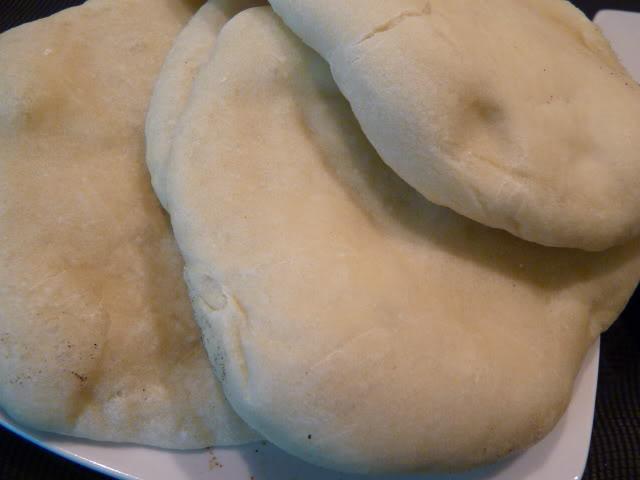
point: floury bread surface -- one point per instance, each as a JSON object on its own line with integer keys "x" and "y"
{"x": 97, "y": 338}
{"x": 171, "y": 93}
{"x": 352, "y": 322}
{"x": 514, "y": 113}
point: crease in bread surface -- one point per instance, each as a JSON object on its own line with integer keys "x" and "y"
{"x": 389, "y": 24}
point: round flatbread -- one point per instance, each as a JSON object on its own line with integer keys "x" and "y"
{"x": 514, "y": 113}
{"x": 97, "y": 338}
{"x": 190, "y": 50}
{"x": 352, "y": 322}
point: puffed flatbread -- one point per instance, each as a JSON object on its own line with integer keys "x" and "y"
{"x": 352, "y": 322}
{"x": 514, "y": 113}
{"x": 97, "y": 338}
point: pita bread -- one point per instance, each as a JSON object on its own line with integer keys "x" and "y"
{"x": 352, "y": 322}
{"x": 190, "y": 50}
{"x": 514, "y": 113}
{"x": 97, "y": 338}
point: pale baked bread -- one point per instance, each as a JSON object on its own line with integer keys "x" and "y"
{"x": 515, "y": 113}
{"x": 190, "y": 50}
{"x": 352, "y": 322}
{"x": 97, "y": 338}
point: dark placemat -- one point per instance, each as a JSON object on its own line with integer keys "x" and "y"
{"x": 615, "y": 445}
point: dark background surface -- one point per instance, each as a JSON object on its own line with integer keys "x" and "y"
{"x": 615, "y": 445}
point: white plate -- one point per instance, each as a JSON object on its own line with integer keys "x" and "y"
{"x": 561, "y": 455}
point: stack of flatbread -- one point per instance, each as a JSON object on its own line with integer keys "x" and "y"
{"x": 394, "y": 226}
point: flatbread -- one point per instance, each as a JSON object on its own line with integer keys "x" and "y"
{"x": 97, "y": 338}
{"x": 352, "y": 322}
{"x": 514, "y": 113}
{"x": 190, "y": 50}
